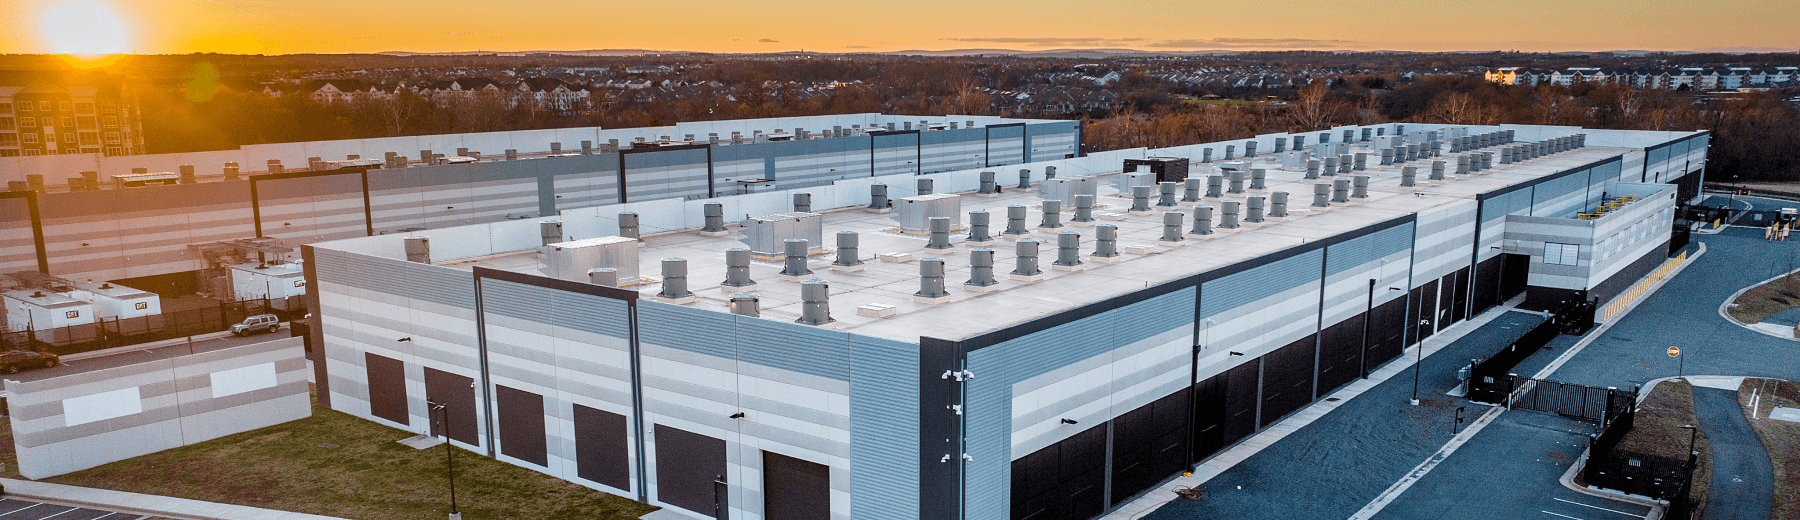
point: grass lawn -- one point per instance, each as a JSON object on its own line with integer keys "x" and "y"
{"x": 1657, "y": 430}
{"x": 338, "y": 465}
{"x": 1781, "y": 438}
{"x": 1763, "y": 300}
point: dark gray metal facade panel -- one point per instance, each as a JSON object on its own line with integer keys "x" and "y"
{"x": 686, "y": 465}
{"x": 884, "y": 427}
{"x": 439, "y": 285}
{"x": 387, "y": 387}
{"x": 1351, "y": 253}
{"x": 689, "y": 329}
{"x": 602, "y": 447}
{"x": 457, "y": 393}
{"x": 1260, "y": 282}
{"x": 521, "y": 423}
{"x": 795, "y": 489}
{"x": 1500, "y": 206}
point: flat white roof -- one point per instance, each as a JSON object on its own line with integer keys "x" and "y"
{"x": 969, "y": 313}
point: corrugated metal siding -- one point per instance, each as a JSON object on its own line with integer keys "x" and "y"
{"x": 884, "y": 429}
{"x": 1348, "y": 254}
{"x": 666, "y": 174}
{"x": 685, "y": 328}
{"x": 515, "y": 300}
{"x": 1608, "y": 171}
{"x": 790, "y": 346}
{"x": 988, "y": 478}
{"x": 1260, "y": 282}
{"x": 1499, "y": 207}
{"x": 590, "y": 313}
{"x": 408, "y": 279}
{"x": 1047, "y": 350}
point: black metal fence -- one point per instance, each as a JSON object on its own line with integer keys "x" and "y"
{"x": 119, "y": 332}
{"x": 1582, "y": 402}
{"x": 1657, "y": 477}
{"x": 1490, "y": 381}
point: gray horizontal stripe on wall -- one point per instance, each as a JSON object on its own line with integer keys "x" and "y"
{"x": 354, "y": 388}
{"x": 794, "y": 412}
{"x": 1076, "y": 367}
{"x": 1064, "y": 406}
{"x": 792, "y": 438}
{"x": 1236, "y": 290}
{"x": 154, "y": 415}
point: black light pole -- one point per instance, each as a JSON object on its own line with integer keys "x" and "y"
{"x": 449, "y": 453}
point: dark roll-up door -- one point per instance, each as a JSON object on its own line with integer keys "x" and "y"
{"x": 1149, "y": 444}
{"x": 457, "y": 394}
{"x": 1515, "y": 271}
{"x": 1240, "y": 400}
{"x": 1387, "y": 334}
{"x": 521, "y": 425}
{"x": 602, "y": 449}
{"x": 1287, "y": 379}
{"x": 687, "y": 463}
{"x": 1461, "y": 304}
{"x": 1209, "y": 417}
{"x": 1340, "y": 354}
{"x": 1487, "y": 285}
{"x": 795, "y": 489}
{"x": 1062, "y": 481}
{"x": 387, "y": 387}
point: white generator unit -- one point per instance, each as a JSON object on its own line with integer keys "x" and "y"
{"x": 118, "y": 301}
{"x": 572, "y": 260}
{"x": 914, "y": 213}
{"x": 1066, "y": 188}
{"x": 768, "y": 234}
{"x": 45, "y": 310}
{"x": 1125, "y": 183}
{"x": 272, "y": 281}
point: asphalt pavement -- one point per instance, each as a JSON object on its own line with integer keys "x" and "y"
{"x": 131, "y": 356}
{"x": 16, "y": 509}
{"x": 1742, "y": 477}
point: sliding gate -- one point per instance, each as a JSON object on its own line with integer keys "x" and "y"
{"x": 1582, "y": 402}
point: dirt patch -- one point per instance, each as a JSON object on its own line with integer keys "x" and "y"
{"x": 1780, "y": 438}
{"x": 1658, "y": 431}
{"x": 1762, "y": 301}
{"x": 1557, "y": 455}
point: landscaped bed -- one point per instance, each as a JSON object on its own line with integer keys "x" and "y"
{"x": 1762, "y": 301}
{"x": 338, "y": 465}
{"x": 1780, "y": 438}
{"x": 1657, "y": 431}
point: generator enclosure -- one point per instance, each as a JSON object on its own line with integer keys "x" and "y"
{"x": 572, "y": 260}
{"x": 914, "y": 213}
{"x": 1167, "y": 169}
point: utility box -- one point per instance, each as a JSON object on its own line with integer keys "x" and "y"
{"x": 1126, "y": 181}
{"x": 1167, "y": 169}
{"x": 914, "y": 213}
{"x": 1294, "y": 159}
{"x": 768, "y": 234}
{"x": 1383, "y": 142}
{"x": 1066, "y": 188}
{"x": 55, "y": 316}
{"x": 1323, "y": 150}
{"x": 572, "y": 260}
{"x": 282, "y": 284}
{"x": 121, "y": 309}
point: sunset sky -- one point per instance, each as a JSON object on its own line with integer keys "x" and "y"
{"x": 351, "y": 26}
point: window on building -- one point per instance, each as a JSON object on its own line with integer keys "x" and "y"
{"x": 28, "y": 122}
{"x": 62, "y": 105}
{"x": 90, "y": 150}
{"x": 109, "y": 121}
{"x": 25, "y": 106}
{"x": 44, "y": 106}
{"x": 9, "y": 153}
{"x": 84, "y": 108}
{"x": 68, "y": 122}
{"x": 90, "y": 139}
{"x": 108, "y": 106}
{"x": 1561, "y": 254}
{"x": 30, "y": 138}
{"x": 69, "y": 138}
{"x": 112, "y": 138}
{"x": 84, "y": 123}
{"x": 33, "y": 152}
{"x": 9, "y": 139}
{"x": 6, "y": 108}
{"x": 114, "y": 150}
{"x": 6, "y": 123}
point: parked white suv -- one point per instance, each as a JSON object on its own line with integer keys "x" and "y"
{"x": 257, "y": 323}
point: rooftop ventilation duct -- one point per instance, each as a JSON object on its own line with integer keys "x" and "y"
{"x": 1106, "y": 243}
{"x": 924, "y": 186}
{"x": 1237, "y": 182}
{"x": 1281, "y": 144}
{"x": 848, "y": 260}
{"x": 1171, "y": 229}
{"x": 714, "y": 214}
{"x": 1228, "y": 219}
{"x": 988, "y": 187}
{"x": 1359, "y": 187}
{"x": 1215, "y": 186}
{"x": 1362, "y": 161}
{"x": 1462, "y": 165}
{"x": 737, "y": 270}
{"x": 1312, "y": 168}
{"x": 1049, "y": 172}
{"x": 1229, "y": 149}
{"x": 815, "y": 305}
{"x": 1052, "y": 215}
{"x": 571, "y": 260}
{"x": 939, "y": 241}
{"x": 674, "y": 284}
{"x": 802, "y": 202}
{"x": 1191, "y": 192}
{"x": 1026, "y": 255}
{"x": 931, "y": 282}
{"x": 551, "y": 232}
{"x": 981, "y": 271}
{"x": 1015, "y": 222}
{"x": 766, "y": 234}
{"x": 418, "y": 249}
{"x": 1259, "y": 178}
{"x": 1254, "y": 209}
{"x": 1202, "y": 221}
{"x": 1336, "y": 164}
{"x": 1084, "y": 210}
{"x": 746, "y": 304}
{"x": 1387, "y": 156}
{"x": 1321, "y": 195}
{"x": 978, "y": 230}
{"x": 794, "y": 261}
{"x": 1140, "y": 199}
{"x": 1437, "y": 170}
{"x": 1250, "y": 148}
{"x": 606, "y": 276}
{"x": 628, "y": 226}
{"x": 1506, "y": 155}
{"x": 1068, "y": 251}
{"x": 1024, "y": 180}
{"x": 878, "y": 199}
{"x": 1278, "y": 204}
{"x": 1409, "y": 176}
{"x": 1205, "y": 155}
{"x": 1166, "y": 199}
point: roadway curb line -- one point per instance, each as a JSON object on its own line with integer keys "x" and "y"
{"x": 1419, "y": 472}
{"x": 1740, "y": 292}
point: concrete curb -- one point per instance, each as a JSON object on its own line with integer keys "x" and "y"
{"x": 1724, "y": 305}
{"x": 143, "y": 346}
{"x": 149, "y": 505}
{"x": 1657, "y": 507}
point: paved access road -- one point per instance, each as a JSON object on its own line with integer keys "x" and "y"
{"x": 1742, "y": 477}
{"x": 18, "y": 509}
{"x": 134, "y": 356}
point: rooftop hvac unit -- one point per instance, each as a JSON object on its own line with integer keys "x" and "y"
{"x": 1294, "y": 160}
{"x": 1128, "y": 180}
{"x": 1330, "y": 149}
{"x": 572, "y": 260}
{"x": 1389, "y": 141}
{"x": 765, "y": 235}
{"x": 914, "y": 213}
{"x": 1066, "y": 188}
{"x": 1167, "y": 169}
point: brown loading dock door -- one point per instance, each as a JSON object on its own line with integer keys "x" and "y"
{"x": 687, "y": 466}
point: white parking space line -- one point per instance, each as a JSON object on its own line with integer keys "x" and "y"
{"x": 1562, "y": 515}
{"x": 1600, "y": 508}
{"x": 20, "y": 509}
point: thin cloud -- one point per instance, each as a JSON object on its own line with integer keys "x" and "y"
{"x": 856, "y": 46}
{"x": 766, "y": 40}
{"x": 1291, "y": 43}
{"x": 1051, "y": 41}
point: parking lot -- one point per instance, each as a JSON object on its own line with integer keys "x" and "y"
{"x": 16, "y": 509}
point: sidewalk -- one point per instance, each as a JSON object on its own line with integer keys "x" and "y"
{"x": 153, "y": 505}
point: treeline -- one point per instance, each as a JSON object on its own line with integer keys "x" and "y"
{"x": 1756, "y": 136}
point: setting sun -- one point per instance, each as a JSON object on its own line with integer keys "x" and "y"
{"x": 87, "y": 29}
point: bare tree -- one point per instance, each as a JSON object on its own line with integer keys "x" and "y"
{"x": 1311, "y": 110}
